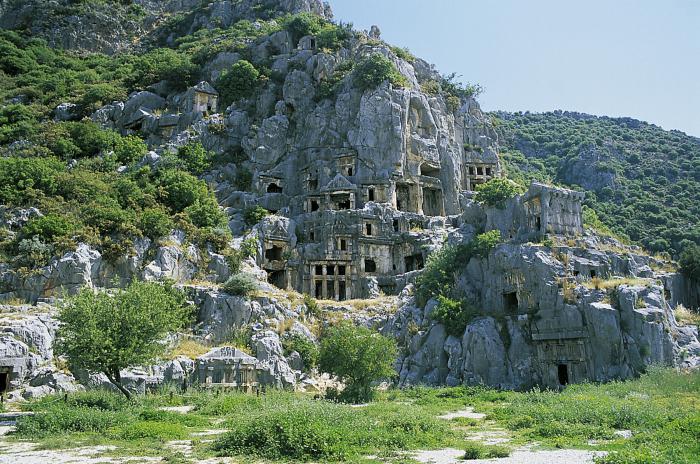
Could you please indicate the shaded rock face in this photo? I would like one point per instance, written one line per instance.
(532, 332)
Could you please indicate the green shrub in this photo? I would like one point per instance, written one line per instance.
(33, 253)
(358, 356)
(334, 37)
(61, 420)
(303, 24)
(483, 243)
(243, 179)
(150, 430)
(311, 305)
(77, 139)
(240, 284)
(129, 149)
(455, 315)
(403, 53)
(476, 450)
(238, 82)
(100, 94)
(439, 274)
(181, 189)
(205, 212)
(375, 69)
(496, 192)
(255, 214)
(306, 348)
(48, 228)
(20, 176)
(163, 64)
(329, 86)
(195, 158)
(155, 223)
(17, 121)
(690, 262)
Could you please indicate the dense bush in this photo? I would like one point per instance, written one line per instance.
(241, 284)
(238, 82)
(129, 149)
(20, 175)
(690, 262)
(455, 315)
(163, 64)
(195, 157)
(155, 223)
(306, 348)
(497, 191)
(439, 274)
(180, 189)
(254, 214)
(48, 227)
(375, 69)
(359, 357)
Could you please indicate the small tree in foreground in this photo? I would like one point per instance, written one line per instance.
(106, 333)
(358, 356)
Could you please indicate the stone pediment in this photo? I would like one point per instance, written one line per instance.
(339, 182)
(205, 87)
(228, 353)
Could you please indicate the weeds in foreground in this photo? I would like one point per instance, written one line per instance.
(662, 409)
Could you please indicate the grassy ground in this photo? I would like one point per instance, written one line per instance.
(661, 409)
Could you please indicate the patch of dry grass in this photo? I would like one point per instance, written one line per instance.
(610, 284)
(189, 348)
(685, 316)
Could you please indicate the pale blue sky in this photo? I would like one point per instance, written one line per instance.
(637, 58)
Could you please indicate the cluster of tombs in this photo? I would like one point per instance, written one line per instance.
(356, 235)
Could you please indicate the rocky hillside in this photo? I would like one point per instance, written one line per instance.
(287, 171)
(643, 181)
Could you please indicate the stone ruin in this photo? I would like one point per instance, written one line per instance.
(227, 368)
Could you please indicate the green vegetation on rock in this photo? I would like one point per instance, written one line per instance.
(642, 181)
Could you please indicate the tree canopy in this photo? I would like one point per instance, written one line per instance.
(105, 333)
(358, 356)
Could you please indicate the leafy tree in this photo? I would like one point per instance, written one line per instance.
(359, 357)
(497, 191)
(375, 69)
(238, 82)
(107, 333)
